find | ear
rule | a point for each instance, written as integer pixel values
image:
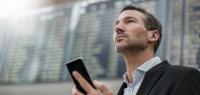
(153, 36)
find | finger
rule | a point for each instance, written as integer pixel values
(76, 92)
(102, 87)
(86, 86)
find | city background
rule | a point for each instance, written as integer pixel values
(37, 38)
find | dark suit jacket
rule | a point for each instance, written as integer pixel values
(165, 79)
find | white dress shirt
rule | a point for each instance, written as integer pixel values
(138, 76)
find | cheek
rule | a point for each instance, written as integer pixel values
(134, 31)
(130, 28)
(138, 34)
(143, 36)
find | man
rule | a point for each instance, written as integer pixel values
(137, 37)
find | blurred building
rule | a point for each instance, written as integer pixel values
(35, 47)
(182, 32)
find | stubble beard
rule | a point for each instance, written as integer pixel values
(131, 46)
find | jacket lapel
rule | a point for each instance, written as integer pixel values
(121, 90)
(149, 80)
(151, 77)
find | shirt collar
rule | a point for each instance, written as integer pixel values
(144, 67)
(150, 64)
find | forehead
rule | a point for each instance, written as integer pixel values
(131, 13)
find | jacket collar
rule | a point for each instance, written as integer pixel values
(152, 75)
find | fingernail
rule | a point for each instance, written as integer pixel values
(74, 73)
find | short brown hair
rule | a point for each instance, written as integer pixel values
(151, 23)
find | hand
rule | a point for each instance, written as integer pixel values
(101, 89)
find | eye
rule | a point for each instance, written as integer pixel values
(130, 21)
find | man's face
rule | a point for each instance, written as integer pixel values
(130, 32)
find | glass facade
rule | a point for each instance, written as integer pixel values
(192, 34)
(183, 47)
(39, 44)
(35, 47)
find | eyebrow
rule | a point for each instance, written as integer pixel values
(128, 17)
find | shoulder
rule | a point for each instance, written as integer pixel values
(182, 71)
(174, 75)
(180, 68)
(177, 68)
(184, 78)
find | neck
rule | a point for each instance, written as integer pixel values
(134, 60)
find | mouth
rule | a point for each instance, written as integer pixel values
(119, 38)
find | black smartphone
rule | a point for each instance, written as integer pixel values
(78, 65)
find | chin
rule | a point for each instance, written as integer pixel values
(119, 49)
(120, 46)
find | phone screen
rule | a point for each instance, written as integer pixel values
(78, 65)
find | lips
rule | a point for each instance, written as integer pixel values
(119, 36)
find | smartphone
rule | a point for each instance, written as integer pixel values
(78, 65)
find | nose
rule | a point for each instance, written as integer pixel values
(119, 28)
